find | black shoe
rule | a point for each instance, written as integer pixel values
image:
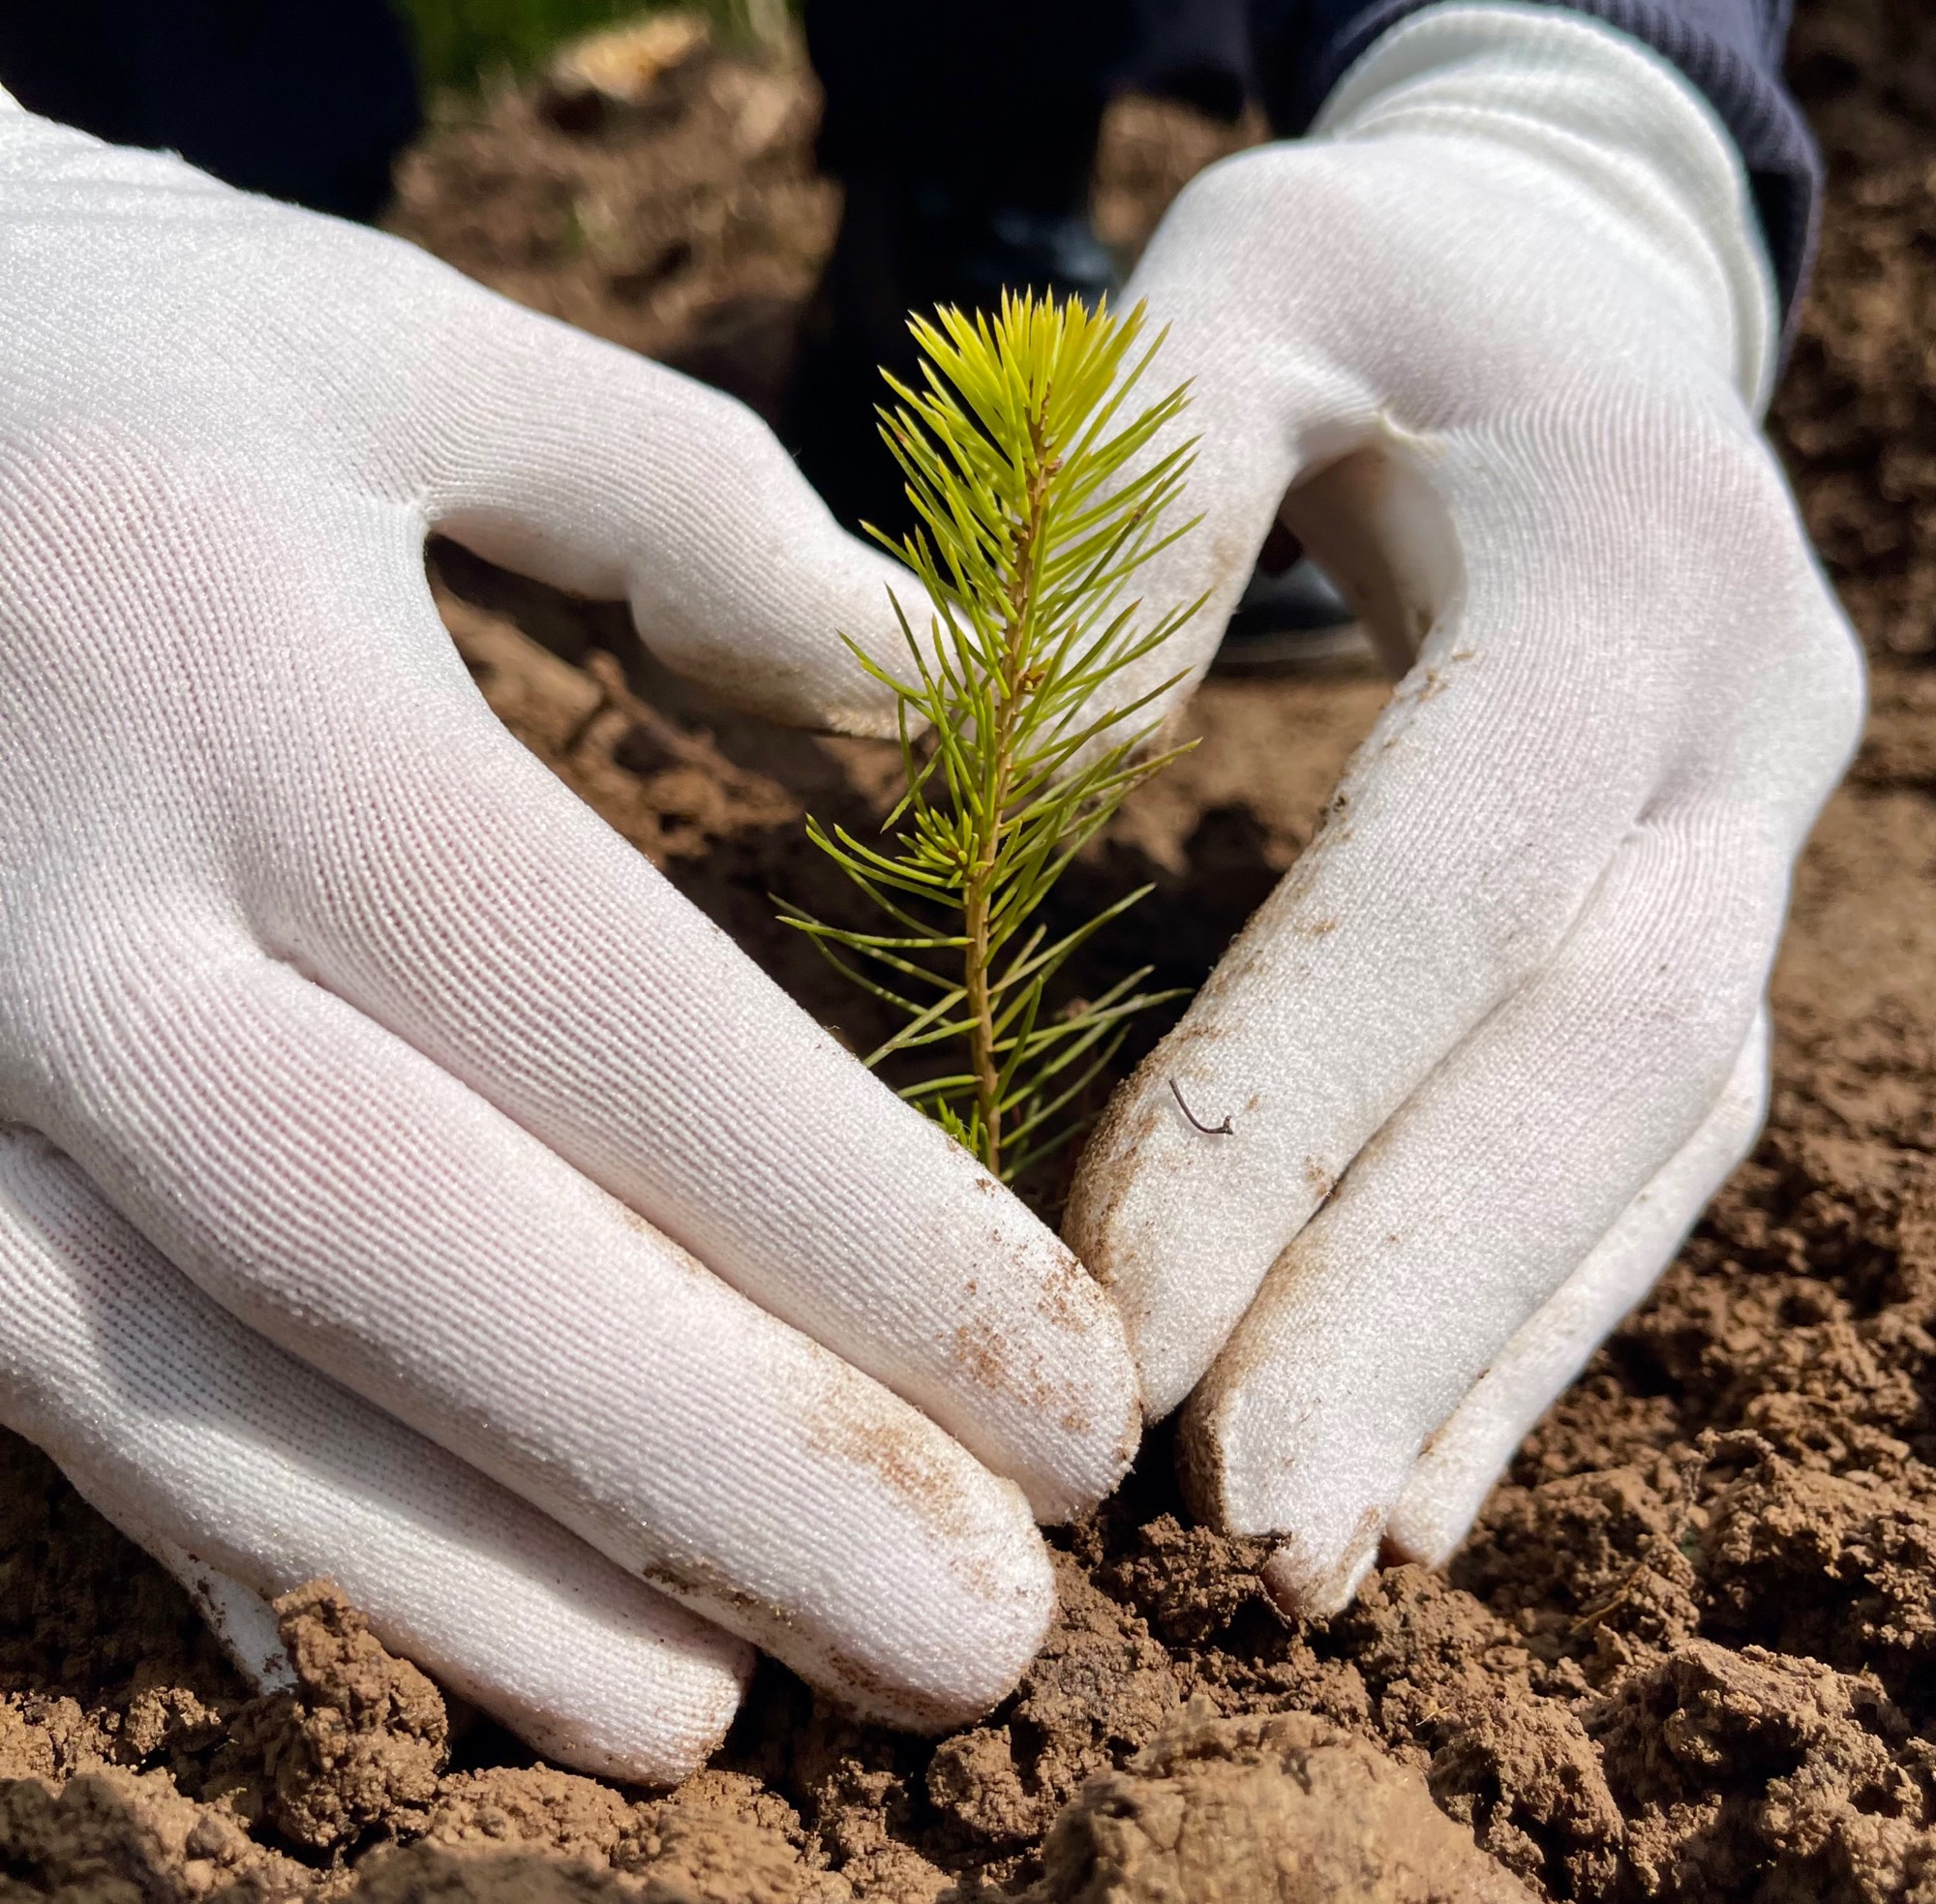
(1291, 616)
(911, 245)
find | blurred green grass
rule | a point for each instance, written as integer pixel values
(467, 45)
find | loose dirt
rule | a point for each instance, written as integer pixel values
(1690, 1651)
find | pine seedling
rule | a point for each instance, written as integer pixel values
(1023, 451)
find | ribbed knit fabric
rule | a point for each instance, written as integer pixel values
(1731, 49)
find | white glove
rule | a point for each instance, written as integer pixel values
(366, 1094)
(1503, 330)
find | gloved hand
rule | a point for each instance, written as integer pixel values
(1503, 330)
(399, 1181)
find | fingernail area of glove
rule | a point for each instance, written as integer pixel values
(1308, 1589)
(870, 1689)
(244, 1623)
(1304, 1584)
(927, 1630)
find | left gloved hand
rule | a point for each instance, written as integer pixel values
(398, 1177)
(1502, 331)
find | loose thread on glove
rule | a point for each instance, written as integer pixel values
(1222, 1129)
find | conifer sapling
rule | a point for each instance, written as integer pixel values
(1041, 495)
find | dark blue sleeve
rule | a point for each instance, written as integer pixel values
(1731, 49)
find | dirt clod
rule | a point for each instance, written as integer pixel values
(362, 1741)
(1286, 1807)
(1732, 1764)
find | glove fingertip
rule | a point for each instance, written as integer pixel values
(1425, 1532)
(1450, 1484)
(1306, 1587)
(244, 1623)
(673, 1732)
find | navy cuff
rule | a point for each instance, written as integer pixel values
(1729, 49)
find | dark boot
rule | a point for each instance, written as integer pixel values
(911, 245)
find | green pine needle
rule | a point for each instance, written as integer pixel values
(1040, 499)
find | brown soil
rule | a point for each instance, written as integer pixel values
(1690, 1653)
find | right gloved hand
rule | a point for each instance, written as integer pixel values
(1493, 340)
(399, 1181)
